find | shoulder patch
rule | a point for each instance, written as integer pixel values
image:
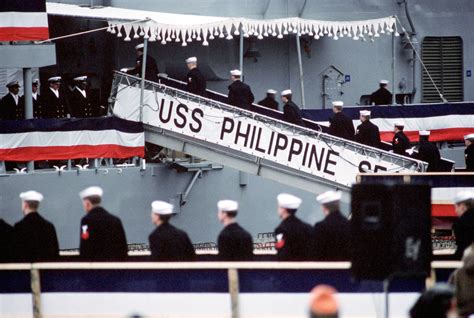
(85, 232)
(280, 241)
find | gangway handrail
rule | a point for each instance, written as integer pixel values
(357, 147)
(224, 96)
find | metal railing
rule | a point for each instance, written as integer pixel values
(231, 267)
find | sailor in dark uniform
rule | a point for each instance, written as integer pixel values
(382, 96)
(11, 107)
(6, 242)
(469, 152)
(269, 101)
(400, 141)
(340, 125)
(168, 243)
(332, 235)
(196, 81)
(294, 238)
(367, 133)
(35, 238)
(463, 227)
(55, 104)
(234, 243)
(102, 237)
(151, 72)
(428, 152)
(291, 112)
(240, 94)
(81, 104)
(38, 106)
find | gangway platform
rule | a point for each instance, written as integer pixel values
(248, 141)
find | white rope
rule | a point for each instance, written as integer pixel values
(88, 31)
(421, 62)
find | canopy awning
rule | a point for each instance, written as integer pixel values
(183, 28)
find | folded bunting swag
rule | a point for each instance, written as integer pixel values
(447, 122)
(23, 20)
(53, 139)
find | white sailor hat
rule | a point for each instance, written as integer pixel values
(139, 46)
(80, 78)
(288, 201)
(424, 132)
(463, 196)
(13, 83)
(328, 196)
(338, 103)
(31, 196)
(36, 81)
(286, 92)
(399, 123)
(271, 91)
(161, 208)
(91, 191)
(469, 137)
(191, 59)
(384, 82)
(227, 205)
(235, 73)
(365, 112)
(54, 79)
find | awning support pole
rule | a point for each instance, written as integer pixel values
(142, 84)
(241, 51)
(300, 63)
(242, 175)
(394, 99)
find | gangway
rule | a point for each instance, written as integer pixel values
(247, 141)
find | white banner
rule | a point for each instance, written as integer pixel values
(316, 154)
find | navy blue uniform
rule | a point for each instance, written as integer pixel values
(464, 231)
(6, 242)
(38, 107)
(170, 244)
(235, 244)
(54, 107)
(240, 95)
(382, 96)
(294, 240)
(35, 239)
(102, 237)
(151, 72)
(196, 82)
(469, 156)
(368, 134)
(400, 143)
(429, 153)
(9, 110)
(292, 114)
(341, 126)
(269, 102)
(82, 107)
(332, 238)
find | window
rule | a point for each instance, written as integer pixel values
(443, 59)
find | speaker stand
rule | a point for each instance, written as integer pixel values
(386, 285)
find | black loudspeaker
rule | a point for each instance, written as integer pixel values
(391, 230)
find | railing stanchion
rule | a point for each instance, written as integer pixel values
(233, 276)
(36, 292)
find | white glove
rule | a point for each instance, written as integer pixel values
(410, 151)
(124, 69)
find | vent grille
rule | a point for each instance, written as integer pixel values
(443, 59)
